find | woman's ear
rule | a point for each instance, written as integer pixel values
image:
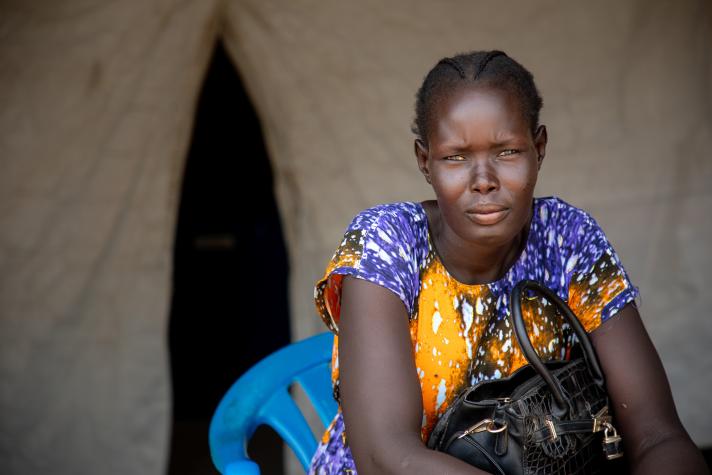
(421, 154)
(540, 139)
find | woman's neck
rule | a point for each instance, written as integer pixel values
(472, 263)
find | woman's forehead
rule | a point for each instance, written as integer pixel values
(493, 113)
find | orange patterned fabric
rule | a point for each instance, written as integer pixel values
(460, 332)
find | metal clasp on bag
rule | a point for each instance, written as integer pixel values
(601, 419)
(552, 429)
(484, 425)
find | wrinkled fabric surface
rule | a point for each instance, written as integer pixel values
(96, 108)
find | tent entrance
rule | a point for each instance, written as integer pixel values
(229, 307)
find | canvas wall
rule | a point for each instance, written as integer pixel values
(96, 104)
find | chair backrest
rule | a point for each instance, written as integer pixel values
(260, 396)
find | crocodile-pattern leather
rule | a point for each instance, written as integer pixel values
(570, 453)
(525, 414)
(498, 425)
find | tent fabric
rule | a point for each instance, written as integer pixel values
(97, 101)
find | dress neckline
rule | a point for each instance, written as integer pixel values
(507, 275)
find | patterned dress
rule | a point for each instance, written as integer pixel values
(460, 332)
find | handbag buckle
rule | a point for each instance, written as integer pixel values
(552, 429)
(484, 425)
(601, 419)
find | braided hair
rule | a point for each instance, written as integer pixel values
(490, 68)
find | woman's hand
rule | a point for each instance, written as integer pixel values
(380, 392)
(654, 439)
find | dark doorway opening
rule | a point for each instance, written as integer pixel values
(229, 307)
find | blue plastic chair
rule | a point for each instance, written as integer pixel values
(260, 396)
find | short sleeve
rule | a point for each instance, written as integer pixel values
(599, 286)
(378, 247)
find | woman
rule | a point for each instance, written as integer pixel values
(418, 292)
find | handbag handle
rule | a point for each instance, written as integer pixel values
(520, 331)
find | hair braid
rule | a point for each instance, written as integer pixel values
(505, 73)
(454, 64)
(483, 62)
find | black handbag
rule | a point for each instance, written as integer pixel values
(545, 418)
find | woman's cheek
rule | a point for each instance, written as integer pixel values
(526, 179)
(529, 185)
(519, 182)
(450, 184)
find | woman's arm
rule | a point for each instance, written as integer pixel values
(380, 393)
(654, 439)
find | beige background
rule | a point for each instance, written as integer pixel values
(96, 105)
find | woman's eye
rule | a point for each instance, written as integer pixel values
(505, 153)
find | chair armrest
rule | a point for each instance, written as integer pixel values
(243, 467)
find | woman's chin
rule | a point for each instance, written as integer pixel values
(501, 233)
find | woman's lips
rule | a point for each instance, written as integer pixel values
(487, 215)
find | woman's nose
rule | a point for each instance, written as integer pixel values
(484, 180)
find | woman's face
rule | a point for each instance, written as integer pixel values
(482, 163)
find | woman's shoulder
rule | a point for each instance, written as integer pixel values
(560, 210)
(392, 232)
(382, 245)
(578, 261)
(562, 220)
(399, 214)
